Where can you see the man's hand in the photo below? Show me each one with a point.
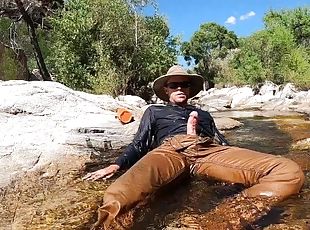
(104, 173)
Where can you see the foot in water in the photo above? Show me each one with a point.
(192, 123)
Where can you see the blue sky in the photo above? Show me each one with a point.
(241, 16)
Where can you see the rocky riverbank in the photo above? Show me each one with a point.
(51, 135)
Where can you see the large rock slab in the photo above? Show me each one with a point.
(50, 136)
(269, 97)
(41, 121)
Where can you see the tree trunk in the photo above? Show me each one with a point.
(34, 41)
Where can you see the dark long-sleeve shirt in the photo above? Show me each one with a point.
(159, 122)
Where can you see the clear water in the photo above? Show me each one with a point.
(196, 196)
(263, 134)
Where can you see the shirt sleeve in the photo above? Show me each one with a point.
(220, 137)
(209, 128)
(141, 142)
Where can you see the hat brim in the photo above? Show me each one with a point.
(160, 82)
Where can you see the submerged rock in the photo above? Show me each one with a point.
(52, 197)
(302, 144)
(52, 135)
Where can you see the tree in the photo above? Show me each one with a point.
(34, 41)
(293, 59)
(210, 42)
(297, 21)
(272, 54)
(32, 13)
(249, 66)
(93, 51)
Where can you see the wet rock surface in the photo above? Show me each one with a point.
(281, 135)
(42, 120)
(54, 135)
(55, 197)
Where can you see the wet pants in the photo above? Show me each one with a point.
(262, 174)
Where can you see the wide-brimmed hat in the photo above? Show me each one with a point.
(176, 70)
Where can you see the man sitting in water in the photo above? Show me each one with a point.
(181, 140)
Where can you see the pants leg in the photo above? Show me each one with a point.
(154, 170)
(265, 174)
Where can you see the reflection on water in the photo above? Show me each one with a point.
(196, 197)
(261, 135)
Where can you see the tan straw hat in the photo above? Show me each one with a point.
(176, 70)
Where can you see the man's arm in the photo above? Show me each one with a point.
(220, 137)
(141, 143)
(137, 149)
(209, 128)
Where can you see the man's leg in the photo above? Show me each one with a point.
(266, 174)
(154, 170)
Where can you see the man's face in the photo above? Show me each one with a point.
(178, 88)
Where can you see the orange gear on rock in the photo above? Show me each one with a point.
(124, 115)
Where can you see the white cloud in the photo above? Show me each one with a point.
(231, 20)
(247, 15)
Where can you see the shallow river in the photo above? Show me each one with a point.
(196, 197)
(63, 201)
(264, 135)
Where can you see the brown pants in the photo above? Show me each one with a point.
(263, 174)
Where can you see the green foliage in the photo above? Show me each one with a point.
(276, 53)
(44, 41)
(209, 43)
(4, 28)
(296, 67)
(297, 21)
(106, 47)
(72, 51)
(260, 56)
(16, 35)
(9, 66)
(249, 68)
